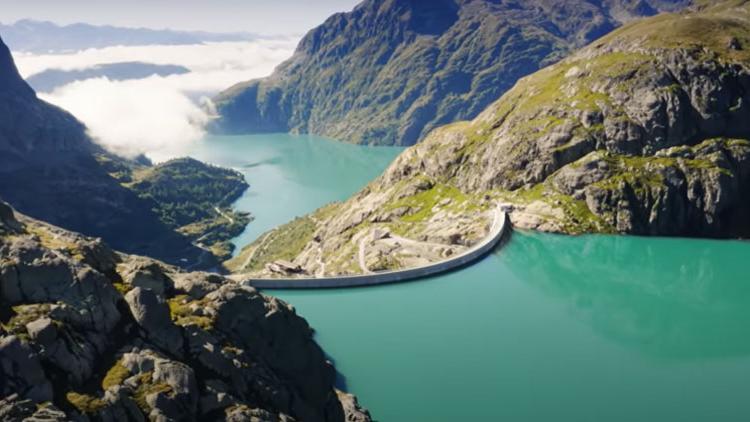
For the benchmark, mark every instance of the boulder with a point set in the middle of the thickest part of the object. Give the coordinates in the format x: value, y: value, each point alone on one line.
x: 170, y: 387
x: 13, y: 408
x: 121, y: 406
x: 353, y: 411
x: 8, y: 222
x: 198, y: 284
x: 284, y: 267
x: 42, y: 331
x: 21, y: 372
x: 269, y: 329
x: 245, y: 413
x: 152, y: 315
x: 215, y: 396
x: 146, y: 273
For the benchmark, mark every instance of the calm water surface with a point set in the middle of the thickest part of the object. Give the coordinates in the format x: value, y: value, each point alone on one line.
x: 292, y: 175
x: 549, y: 328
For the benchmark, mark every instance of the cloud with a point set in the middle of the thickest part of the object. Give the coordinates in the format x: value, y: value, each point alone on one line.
x: 133, y: 117
x: 155, y: 114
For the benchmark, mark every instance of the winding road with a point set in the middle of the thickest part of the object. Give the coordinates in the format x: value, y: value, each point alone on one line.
x: 498, y: 229
x: 225, y: 215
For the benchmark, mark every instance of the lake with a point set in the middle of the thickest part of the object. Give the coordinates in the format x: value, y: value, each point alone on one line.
x: 548, y: 328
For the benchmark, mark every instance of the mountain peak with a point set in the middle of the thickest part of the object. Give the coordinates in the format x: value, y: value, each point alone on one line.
x: 10, y: 80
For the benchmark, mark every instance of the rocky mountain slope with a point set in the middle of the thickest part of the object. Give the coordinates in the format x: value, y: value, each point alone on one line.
x: 87, y: 333
x: 390, y: 71
x: 646, y: 131
x: 51, y: 170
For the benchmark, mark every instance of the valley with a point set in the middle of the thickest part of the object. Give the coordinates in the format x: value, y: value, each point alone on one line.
x: 433, y: 211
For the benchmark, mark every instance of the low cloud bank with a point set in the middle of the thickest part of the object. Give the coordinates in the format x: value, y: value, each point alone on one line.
x: 133, y: 117
x: 157, y: 114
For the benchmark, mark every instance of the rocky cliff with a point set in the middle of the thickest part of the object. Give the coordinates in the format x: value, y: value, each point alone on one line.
x: 87, y: 333
x: 51, y: 170
x: 390, y: 71
x: 646, y: 131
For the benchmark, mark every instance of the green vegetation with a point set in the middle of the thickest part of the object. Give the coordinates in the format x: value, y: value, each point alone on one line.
x: 708, y: 32
x: 146, y: 387
x: 577, y: 218
x: 122, y: 170
x: 643, y: 174
x: 186, y: 190
x: 51, y: 241
x: 284, y: 243
x: 182, y: 315
x: 190, y: 196
x: 568, y: 86
x: 85, y: 403
x: 122, y: 288
x: 646, y: 172
x: 393, y: 86
x: 421, y: 206
x: 115, y: 376
x: 23, y: 314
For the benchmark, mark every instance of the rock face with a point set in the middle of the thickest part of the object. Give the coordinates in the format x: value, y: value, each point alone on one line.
x: 645, y: 131
x: 90, y: 334
x: 51, y: 170
x: 390, y: 71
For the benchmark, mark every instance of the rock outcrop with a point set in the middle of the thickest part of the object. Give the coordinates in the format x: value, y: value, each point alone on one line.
x: 87, y: 333
x: 645, y: 131
x: 390, y: 71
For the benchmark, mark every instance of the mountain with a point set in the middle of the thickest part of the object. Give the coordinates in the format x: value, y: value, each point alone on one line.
x: 46, y: 37
x: 50, y: 79
x: 87, y: 333
x: 51, y: 170
x: 191, y: 197
x: 390, y: 71
x: 646, y: 131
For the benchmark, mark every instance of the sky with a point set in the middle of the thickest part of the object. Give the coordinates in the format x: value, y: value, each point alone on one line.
x: 157, y: 115
x: 258, y: 16
x: 165, y: 113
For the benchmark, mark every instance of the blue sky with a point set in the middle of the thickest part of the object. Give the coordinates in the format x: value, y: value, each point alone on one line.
x: 260, y: 16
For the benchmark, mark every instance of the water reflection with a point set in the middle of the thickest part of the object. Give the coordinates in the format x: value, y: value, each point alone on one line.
x: 670, y: 298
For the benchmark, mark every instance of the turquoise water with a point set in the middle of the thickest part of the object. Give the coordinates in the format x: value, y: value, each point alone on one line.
x: 552, y: 328
x: 548, y: 328
x: 292, y: 175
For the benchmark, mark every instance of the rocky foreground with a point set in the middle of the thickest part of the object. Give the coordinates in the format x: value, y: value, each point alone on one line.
x: 91, y: 334
x: 646, y: 131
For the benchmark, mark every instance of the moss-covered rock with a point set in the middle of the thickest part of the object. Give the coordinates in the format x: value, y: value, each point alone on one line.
x: 108, y: 336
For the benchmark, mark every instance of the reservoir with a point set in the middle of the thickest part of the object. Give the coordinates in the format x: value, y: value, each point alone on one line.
x: 547, y: 328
